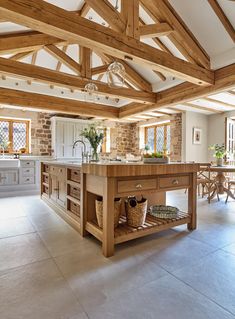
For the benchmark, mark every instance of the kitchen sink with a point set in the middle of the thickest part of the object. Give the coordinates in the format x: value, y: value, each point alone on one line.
x: 9, y: 163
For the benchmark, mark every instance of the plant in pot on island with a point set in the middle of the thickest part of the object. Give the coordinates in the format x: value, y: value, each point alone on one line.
x: 95, y: 135
x: 156, y: 157
x: 219, y: 153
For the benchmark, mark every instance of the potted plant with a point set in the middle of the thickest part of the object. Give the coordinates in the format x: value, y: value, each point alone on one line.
x: 158, y: 157
x: 95, y: 136
x: 219, y: 153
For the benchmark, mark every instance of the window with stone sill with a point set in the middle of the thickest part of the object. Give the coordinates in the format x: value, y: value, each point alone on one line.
x: 14, y: 135
x: 158, y: 137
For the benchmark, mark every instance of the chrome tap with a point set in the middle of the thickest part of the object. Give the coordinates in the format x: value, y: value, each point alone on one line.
x: 84, y: 153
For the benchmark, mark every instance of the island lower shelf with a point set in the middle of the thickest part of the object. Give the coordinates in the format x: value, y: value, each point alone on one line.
x: 151, y: 225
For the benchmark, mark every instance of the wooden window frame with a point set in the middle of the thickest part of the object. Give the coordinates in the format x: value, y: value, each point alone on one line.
x: 155, y: 134
x: 10, y: 150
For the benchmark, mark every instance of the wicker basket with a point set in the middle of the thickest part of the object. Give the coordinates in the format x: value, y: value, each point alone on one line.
x: 136, y: 215
x: 99, y: 211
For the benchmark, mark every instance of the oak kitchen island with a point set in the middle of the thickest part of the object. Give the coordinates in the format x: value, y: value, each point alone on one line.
x: 71, y: 190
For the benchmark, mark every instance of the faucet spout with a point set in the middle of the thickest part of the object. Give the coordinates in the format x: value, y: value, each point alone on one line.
x: 84, y: 153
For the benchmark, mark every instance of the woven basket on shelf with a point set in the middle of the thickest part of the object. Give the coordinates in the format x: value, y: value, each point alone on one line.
x: 136, y: 215
x: 99, y: 211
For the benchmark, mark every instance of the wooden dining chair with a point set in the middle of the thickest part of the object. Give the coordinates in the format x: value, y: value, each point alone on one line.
x: 231, y: 187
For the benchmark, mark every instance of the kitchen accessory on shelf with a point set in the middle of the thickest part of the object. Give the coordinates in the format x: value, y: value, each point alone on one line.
x: 99, y: 211
x: 136, y: 211
x: 163, y: 211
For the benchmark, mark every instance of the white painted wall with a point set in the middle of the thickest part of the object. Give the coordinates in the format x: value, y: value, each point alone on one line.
x: 190, y: 151
x: 216, y: 129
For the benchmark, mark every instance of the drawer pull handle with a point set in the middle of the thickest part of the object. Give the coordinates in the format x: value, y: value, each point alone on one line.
x: 56, y: 189
x: 138, y: 186
x: 175, y: 182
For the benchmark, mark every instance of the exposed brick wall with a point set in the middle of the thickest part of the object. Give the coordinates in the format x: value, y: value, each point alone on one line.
x: 41, y: 135
x: 124, y: 139
x: 176, y: 137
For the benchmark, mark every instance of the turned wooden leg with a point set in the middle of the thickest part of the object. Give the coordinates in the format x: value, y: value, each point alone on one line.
x: 192, y: 202
x: 108, y: 217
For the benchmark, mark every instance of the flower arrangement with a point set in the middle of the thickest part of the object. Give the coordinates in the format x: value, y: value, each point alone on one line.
x: 95, y: 135
x: 219, y: 150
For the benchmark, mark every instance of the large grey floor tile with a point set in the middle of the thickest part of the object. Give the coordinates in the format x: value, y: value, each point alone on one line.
x: 11, y: 207
x: 37, y: 291
x: 214, y: 277
x: 166, y: 298
x: 15, y: 226
x: 21, y: 250
x: 65, y: 239
x: 45, y: 221
x: 96, y: 279
x: 178, y: 252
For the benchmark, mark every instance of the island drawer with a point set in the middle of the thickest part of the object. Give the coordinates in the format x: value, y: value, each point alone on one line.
x: 75, y: 175
x: 174, y: 182
x: 74, y: 191
x: 136, y: 185
x: 58, y: 171
x: 27, y: 180
x: 75, y: 208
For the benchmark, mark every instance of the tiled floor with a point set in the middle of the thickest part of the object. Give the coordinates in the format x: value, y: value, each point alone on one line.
x: 48, y: 271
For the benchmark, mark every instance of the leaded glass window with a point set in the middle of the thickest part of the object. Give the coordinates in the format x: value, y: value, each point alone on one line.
x: 158, y: 137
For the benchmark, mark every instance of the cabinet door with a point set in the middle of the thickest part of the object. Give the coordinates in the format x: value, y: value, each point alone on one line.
x: 69, y: 129
x: 54, y: 188
x: 59, y: 152
x: 61, y: 199
x: 11, y: 177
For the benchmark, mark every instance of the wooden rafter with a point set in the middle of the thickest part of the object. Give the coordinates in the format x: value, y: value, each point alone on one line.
x: 63, y: 57
x: 130, y: 14
x: 60, y: 23
x: 55, y: 104
x: 108, y: 13
x: 59, y: 63
x: 185, y: 92
x: 21, y: 55
x: 85, y: 62
x: 33, y: 62
x: 155, y: 30
x: 161, y: 11
x: 202, y: 108
x: 221, y: 15
x: 208, y: 99
x: 23, y: 70
x: 99, y: 69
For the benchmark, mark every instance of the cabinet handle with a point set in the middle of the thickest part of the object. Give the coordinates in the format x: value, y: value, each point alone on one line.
x: 56, y: 189
x: 175, y: 182
x: 138, y: 186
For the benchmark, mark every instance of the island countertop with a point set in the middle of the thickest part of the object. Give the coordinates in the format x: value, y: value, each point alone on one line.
x: 137, y: 169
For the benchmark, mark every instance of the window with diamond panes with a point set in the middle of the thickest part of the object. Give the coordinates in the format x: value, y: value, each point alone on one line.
x: 14, y: 135
x: 158, y: 137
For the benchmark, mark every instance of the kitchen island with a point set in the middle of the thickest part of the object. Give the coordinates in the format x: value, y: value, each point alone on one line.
x: 111, y: 180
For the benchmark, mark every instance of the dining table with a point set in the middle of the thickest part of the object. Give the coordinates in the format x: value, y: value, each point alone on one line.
x: 220, y: 180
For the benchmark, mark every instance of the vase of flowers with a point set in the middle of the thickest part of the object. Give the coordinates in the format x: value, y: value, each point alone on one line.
x: 95, y: 136
x: 219, y: 153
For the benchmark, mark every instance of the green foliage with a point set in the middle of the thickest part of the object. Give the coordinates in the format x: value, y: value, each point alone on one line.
x: 155, y: 155
x: 94, y: 135
x: 219, y: 150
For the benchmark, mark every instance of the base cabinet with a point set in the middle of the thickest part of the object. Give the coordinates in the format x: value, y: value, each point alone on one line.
x: 9, y: 177
x: 60, y: 191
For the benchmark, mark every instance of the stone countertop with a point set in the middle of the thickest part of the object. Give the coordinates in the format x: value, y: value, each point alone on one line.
x: 63, y: 162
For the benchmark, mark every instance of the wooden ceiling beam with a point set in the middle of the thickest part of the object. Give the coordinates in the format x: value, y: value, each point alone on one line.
x: 85, y: 62
x: 33, y: 62
x: 58, y: 22
x: 63, y: 57
x: 105, y: 9
x: 55, y: 104
x: 27, y: 71
x: 130, y: 14
x: 21, y: 55
x: 26, y: 41
x: 222, y: 17
x: 202, y: 108
x: 185, y: 92
x: 162, y: 11
x: 155, y: 30
x: 99, y: 69
x: 221, y: 103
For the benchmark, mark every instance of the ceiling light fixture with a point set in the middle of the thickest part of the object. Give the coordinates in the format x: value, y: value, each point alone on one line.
x: 91, y: 90
x: 116, y: 75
